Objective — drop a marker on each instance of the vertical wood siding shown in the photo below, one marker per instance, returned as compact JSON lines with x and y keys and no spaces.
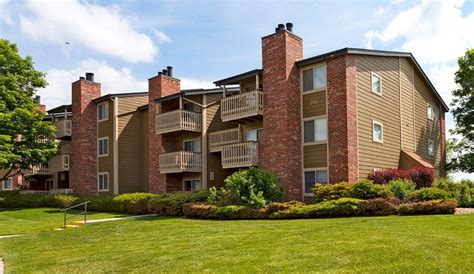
{"x":106,"y":164}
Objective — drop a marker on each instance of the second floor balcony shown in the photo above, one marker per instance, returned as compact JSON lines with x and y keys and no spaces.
{"x":41,"y":169}
{"x":238,"y":155}
{"x":241,"y":106}
{"x":180,"y":161}
{"x":59,"y":163}
{"x":224,"y":137}
{"x":178,"y":120}
{"x":63,"y":128}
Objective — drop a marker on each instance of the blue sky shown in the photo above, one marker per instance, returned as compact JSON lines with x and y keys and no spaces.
{"x":126,"y":42}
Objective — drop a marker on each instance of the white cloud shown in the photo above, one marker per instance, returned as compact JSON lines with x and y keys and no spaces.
{"x":162,"y":37}
{"x":435,"y":31}
{"x":5,"y":15}
{"x":188,"y":83}
{"x":113,"y":80}
{"x":397,"y":2}
{"x":379,"y":12}
{"x":442,"y":76}
{"x":101,"y":28}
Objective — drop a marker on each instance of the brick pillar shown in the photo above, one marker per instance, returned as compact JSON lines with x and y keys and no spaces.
{"x":83,"y":169}
{"x":442,"y":127}
{"x":158,"y":86}
{"x":342,"y":119}
{"x":280,"y":143}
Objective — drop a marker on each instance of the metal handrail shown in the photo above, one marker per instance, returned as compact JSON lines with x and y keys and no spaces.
{"x":74,"y":206}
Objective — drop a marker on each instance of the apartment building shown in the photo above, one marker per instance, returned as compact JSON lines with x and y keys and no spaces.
{"x":333,"y":117}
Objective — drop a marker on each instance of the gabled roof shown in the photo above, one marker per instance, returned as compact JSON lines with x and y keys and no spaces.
{"x":188,"y":92}
{"x":120,"y":95}
{"x":325,"y":56}
{"x":233,"y":80}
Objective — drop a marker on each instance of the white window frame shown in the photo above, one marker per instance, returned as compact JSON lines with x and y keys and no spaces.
{"x":374,"y":122}
{"x":313,"y":119}
{"x":106,"y":106}
{"x":372,"y":74}
{"x":98,"y":181}
{"x":192,"y":140}
{"x":252,"y":129}
{"x":98,"y":146}
{"x":312,"y":68}
{"x":315,"y":169}
{"x":432,"y":143}
{"x":429,"y":111}
{"x":11,"y":184}
{"x":191,"y":179}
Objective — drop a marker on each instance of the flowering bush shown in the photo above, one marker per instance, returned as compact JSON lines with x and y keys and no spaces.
{"x":422,"y":177}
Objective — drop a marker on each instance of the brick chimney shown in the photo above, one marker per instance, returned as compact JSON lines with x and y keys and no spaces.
{"x":158,"y":86}
{"x":280,"y":143}
{"x":83,"y":172}
{"x":41,"y":107}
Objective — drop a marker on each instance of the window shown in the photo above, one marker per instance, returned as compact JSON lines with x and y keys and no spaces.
{"x":431,"y":150}
{"x":192,"y":185}
{"x":253,"y":134}
{"x":312,"y":177}
{"x":315,"y":130}
{"x":314,"y":78}
{"x":377,"y":132}
{"x":103,"y":181}
{"x":103,"y":147}
{"x":193,"y":145}
{"x":8,"y":184}
{"x":376,"y":83}
{"x":429,"y":111}
{"x":102,"y":112}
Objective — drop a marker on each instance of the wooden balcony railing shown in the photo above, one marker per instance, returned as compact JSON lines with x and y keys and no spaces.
{"x":59,"y":163}
{"x":178,"y":120}
{"x":51,"y":191}
{"x":41,"y":169}
{"x":241,"y":106}
{"x":180,"y":161}
{"x":240,"y":155}
{"x":63,"y":128}
{"x":224,"y":137}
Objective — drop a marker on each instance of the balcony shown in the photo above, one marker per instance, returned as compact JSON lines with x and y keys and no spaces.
{"x":241,"y":106}
{"x":224,"y":137}
{"x":240,"y":155}
{"x":63,"y":128}
{"x":59,"y":163}
{"x":178,"y":120}
{"x":51,"y":191}
{"x":41,"y":169}
{"x":180,"y":161}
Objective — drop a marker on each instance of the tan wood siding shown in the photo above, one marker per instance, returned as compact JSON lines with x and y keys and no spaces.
{"x":130,"y":152}
{"x":384,"y":109}
{"x":426,"y":129}
{"x":315,"y":156}
{"x":406,"y":80}
{"x":106,"y":164}
{"x":248,"y":84}
{"x":145,"y":149}
{"x":314,"y":104}
{"x":130,"y":103}
{"x":213,"y":115}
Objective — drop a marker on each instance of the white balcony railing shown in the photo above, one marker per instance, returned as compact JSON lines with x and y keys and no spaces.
{"x":51,"y":191}
{"x":41,"y":169}
{"x":59,"y":163}
{"x":240,"y":155}
{"x":63,"y":128}
{"x":224,"y":137}
{"x":178,"y":120}
{"x":180,"y":161}
{"x":241,"y":106}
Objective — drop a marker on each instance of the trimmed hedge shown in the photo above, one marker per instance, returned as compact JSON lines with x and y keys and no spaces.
{"x":326,"y":192}
{"x":422,"y":177}
{"x":428,"y":207}
{"x":172,"y":204}
{"x":134,"y":203}
{"x":368,"y":190}
{"x":427,"y":194}
{"x":401,"y":188}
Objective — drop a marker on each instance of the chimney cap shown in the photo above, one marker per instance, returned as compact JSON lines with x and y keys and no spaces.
{"x":90,"y":76}
{"x":289,"y":26}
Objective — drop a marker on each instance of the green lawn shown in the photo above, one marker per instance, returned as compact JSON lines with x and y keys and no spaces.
{"x":14,"y":221}
{"x":372,"y":244}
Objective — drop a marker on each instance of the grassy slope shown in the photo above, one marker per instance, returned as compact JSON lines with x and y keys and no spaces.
{"x":394,"y":244}
{"x":20,"y":221}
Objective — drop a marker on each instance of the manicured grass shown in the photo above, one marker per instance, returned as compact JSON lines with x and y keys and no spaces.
{"x":21,"y":221}
{"x":373,"y":244}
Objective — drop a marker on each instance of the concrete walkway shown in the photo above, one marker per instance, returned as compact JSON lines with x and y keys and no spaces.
{"x":8,"y":236}
{"x":114,"y":219}
{"x":1,"y":265}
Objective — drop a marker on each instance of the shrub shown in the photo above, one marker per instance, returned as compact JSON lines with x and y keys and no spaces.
{"x":378,"y":207}
{"x":332,"y":208}
{"x":278,"y":206}
{"x":222,"y":197}
{"x":422,"y":177}
{"x":427,"y":194}
{"x":134,"y":203}
{"x":401,"y":188}
{"x":428,"y":207}
{"x":463,"y":192}
{"x":172,"y":204}
{"x":368,"y":190}
{"x":5,"y":193}
{"x":198,"y":210}
{"x":64,"y":200}
{"x":236,"y":212}
{"x":27,"y":201}
{"x":326,"y":192}
{"x":104,"y":204}
{"x":254,"y":187}
{"x":441,"y":183}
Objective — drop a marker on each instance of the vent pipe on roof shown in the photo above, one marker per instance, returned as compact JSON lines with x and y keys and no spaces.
{"x":281,"y":27}
{"x":165,"y":72}
{"x":82,"y":78}
{"x":160,"y":73}
{"x":170,"y":71}
{"x":289,"y":27}
{"x":38,"y":99}
{"x":90,"y":76}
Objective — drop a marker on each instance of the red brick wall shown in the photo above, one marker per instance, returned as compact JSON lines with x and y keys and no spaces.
{"x":158,"y":86}
{"x":280,"y":143}
{"x":342,"y":119}
{"x":83,"y":169}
